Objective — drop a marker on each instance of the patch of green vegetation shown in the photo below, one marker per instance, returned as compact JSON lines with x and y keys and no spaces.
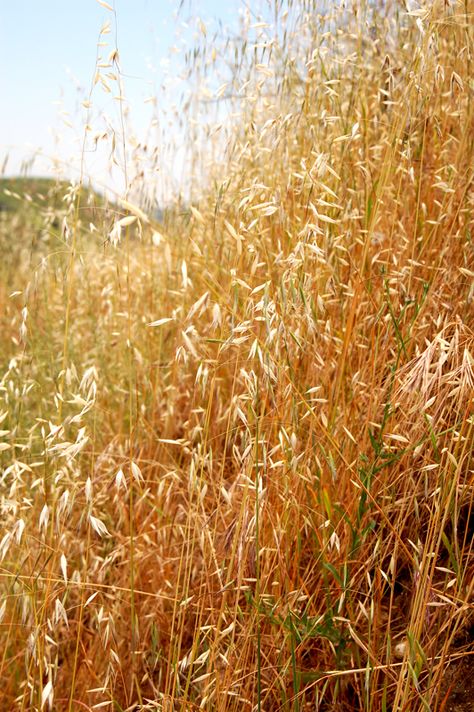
{"x":34,"y":196}
{"x":15,"y":192}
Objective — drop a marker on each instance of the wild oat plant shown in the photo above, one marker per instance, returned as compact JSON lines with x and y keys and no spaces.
{"x":236,"y":442}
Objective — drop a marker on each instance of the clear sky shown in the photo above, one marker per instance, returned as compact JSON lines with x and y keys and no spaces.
{"x":47,"y":58}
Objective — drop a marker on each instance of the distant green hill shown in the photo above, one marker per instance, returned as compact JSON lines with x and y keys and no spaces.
{"x":37,"y":191}
{"x":15,"y":192}
{"x":36,"y":194}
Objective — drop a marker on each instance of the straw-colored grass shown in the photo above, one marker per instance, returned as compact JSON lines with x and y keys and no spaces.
{"x":236,"y":447}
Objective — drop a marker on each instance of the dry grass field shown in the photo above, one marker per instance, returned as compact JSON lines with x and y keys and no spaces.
{"x":236,"y":445}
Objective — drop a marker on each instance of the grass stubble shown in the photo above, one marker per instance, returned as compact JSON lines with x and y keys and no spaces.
{"x":236,"y":445}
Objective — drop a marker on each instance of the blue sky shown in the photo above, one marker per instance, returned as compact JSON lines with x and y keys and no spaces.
{"x":47,"y":59}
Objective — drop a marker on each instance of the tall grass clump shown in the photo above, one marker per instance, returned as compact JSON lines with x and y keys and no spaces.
{"x":236,"y":444}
